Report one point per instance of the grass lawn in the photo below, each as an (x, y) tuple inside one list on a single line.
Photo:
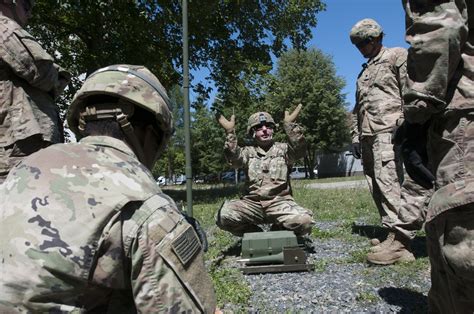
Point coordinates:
[(351, 213)]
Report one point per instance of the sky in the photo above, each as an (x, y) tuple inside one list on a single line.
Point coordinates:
[(331, 35)]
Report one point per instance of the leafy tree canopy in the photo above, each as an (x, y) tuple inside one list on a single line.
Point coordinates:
[(309, 77), (227, 36)]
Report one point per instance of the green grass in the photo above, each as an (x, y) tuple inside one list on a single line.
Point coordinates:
[(339, 208)]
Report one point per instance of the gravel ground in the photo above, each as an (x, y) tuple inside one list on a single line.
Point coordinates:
[(336, 285)]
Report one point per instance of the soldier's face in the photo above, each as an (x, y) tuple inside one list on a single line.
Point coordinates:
[(369, 48), (264, 134)]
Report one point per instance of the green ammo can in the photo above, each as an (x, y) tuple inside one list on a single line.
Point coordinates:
[(272, 251)]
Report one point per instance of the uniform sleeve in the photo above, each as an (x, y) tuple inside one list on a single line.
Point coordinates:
[(354, 125), (29, 61), (232, 152), (436, 31), (401, 71), (168, 272), (296, 141)]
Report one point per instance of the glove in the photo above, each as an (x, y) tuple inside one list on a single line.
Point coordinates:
[(415, 156), (292, 117), (228, 125), (200, 232), (355, 149)]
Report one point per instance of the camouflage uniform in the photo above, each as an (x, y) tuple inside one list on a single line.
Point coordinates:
[(440, 87), (29, 83), (135, 251), (268, 197), (375, 115)]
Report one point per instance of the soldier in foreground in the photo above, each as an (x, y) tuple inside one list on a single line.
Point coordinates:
[(268, 197), (375, 118), (85, 226), (29, 83), (439, 100)]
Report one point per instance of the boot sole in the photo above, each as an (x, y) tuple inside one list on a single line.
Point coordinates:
[(392, 261)]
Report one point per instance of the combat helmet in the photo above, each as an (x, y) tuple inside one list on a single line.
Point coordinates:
[(131, 85), (364, 30), (257, 119)]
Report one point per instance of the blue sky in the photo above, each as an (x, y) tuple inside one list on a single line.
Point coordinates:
[(331, 35)]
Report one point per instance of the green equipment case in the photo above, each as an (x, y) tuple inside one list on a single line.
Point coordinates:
[(272, 251)]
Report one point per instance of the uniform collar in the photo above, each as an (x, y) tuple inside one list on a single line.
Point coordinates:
[(107, 141), (378, 56)]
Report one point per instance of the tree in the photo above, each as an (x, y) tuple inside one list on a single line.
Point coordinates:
[(173, 160), (309, 77), (226, 36)]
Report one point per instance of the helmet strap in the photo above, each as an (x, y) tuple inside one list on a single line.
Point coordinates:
[(131, 137), (118, 112)]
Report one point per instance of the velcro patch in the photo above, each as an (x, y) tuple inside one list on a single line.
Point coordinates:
[(186, 245)]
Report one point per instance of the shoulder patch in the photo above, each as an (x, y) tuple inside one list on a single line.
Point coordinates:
[(186, 245)]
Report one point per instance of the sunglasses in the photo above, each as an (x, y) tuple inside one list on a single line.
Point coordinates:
[(266, 125), (364, 43)]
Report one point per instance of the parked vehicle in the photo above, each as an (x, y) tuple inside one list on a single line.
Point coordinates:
[(229, 176), (161, 181), (299, 172)]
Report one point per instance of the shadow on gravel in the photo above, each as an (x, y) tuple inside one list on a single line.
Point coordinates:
[(408, 300), (370, 232)]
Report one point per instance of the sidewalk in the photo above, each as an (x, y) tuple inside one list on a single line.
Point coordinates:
[(339, 185)]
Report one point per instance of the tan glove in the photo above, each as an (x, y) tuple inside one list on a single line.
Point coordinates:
[(228, 125), (292, 117)]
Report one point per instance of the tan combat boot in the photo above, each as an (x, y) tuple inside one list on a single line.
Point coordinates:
[(397, 251), (382, 245)]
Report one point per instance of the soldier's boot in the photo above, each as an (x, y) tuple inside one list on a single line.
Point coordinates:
[(385, 243), (374, 242), (398, 251)]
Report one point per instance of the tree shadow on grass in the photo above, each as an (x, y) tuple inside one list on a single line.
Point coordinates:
[(418, 244), (208, 195), (410, 301)]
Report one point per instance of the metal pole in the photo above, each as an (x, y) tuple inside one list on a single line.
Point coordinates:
[(187, 120)]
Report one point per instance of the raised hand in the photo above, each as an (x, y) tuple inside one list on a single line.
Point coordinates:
[(292, 117), (228, 125)]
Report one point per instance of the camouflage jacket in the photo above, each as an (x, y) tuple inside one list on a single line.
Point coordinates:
[(267, 172), (379, 94), (29, 83), (441, 58), (441, 72), (84, 227)]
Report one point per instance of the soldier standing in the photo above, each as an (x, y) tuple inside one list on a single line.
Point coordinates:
[(439, 100), (30, 81), (375, 118), (267, 165), (85, 226)]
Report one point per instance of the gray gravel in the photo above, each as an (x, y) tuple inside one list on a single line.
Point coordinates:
[(336, 285)]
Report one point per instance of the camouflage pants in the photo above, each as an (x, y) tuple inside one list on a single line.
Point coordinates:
[(413, 206), (244, 215), (384, 172), (450, 238), (13, 154)]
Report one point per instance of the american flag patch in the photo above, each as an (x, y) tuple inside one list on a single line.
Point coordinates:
[(186, 245)]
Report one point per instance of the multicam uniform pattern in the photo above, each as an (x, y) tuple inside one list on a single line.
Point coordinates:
[(377, 111), (441, 74), (375, 115), (268, 197), (29, 83), (84, 227)]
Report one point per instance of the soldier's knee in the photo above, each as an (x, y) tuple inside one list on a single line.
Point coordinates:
[(301, 224), (224, 218)]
